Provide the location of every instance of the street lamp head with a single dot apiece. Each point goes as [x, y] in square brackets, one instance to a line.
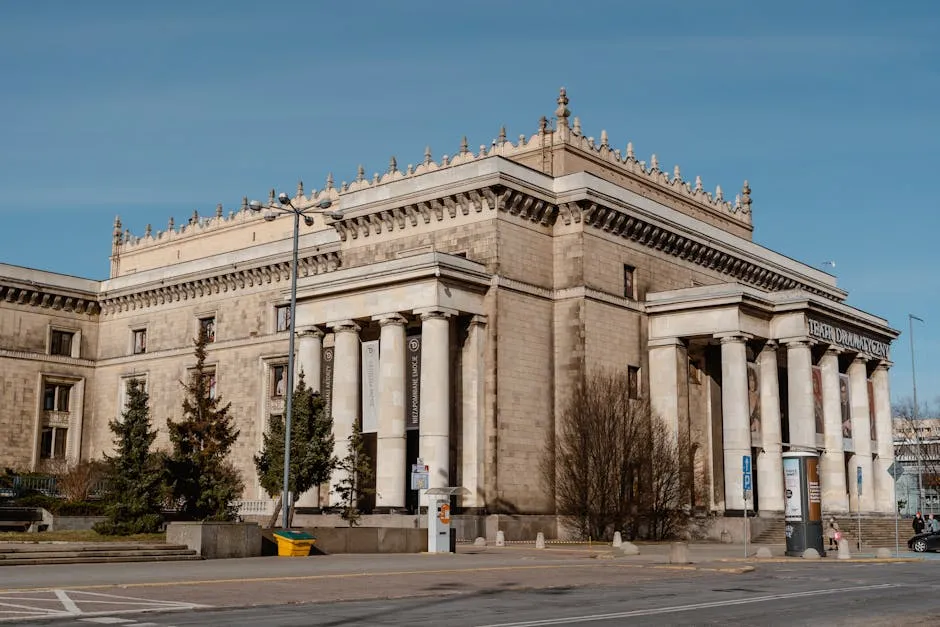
[326, 203]
[255, 206]
[269, 216]
[283, 198]
[308, 220]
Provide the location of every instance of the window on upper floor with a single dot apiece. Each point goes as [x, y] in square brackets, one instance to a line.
[60, 343]
[207, 327]
[633, 382]
[629, 289]
[140, 341]
[282, 316]
[56, 396]
[210, 379]
[278, 380]
[52, 444]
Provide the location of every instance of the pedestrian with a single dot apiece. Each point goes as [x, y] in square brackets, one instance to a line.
[933, 525]
[833, 533]
[918, 524]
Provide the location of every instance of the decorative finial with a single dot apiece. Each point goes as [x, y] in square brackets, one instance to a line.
[698, 184]
[427, 155]
[737, 202]
[482, 150]
[171, 224]
[300, 188]
[392, 165]
[360, 173]
[630, 153]
[271, 197]
[502, 136]
[148, 230]
[654, 163]
[676, 175]
[719, 196]
[244, 206]
[464, 147]
[746, 196]
[329, 181]
[218, 210]
[117, 230]
[562, 111]
[577, 126]
[195, 218]
[604, 142]
[543, 124]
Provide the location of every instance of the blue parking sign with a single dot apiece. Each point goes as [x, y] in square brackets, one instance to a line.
[747, 481]
[746, 464]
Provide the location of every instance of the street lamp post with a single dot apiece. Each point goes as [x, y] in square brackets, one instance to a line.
[920, 470]
[284, 205]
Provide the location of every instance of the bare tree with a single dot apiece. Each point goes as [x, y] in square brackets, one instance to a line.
[613, 465]
[917, 439]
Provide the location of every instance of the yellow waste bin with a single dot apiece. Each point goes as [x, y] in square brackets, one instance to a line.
[293, 543]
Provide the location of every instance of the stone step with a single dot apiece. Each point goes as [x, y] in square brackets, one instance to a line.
[83, 554]
[127, 557]
[48, 547]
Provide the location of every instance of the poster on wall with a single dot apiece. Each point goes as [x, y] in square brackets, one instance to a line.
[793, 493]
[326, 378]
[818, 401]
[871, 410]
[845, 403]
[753, 402]
[370, 386]
[814, 493]
[412, 381]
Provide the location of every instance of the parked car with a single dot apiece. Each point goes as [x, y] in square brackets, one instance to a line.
[927, 541]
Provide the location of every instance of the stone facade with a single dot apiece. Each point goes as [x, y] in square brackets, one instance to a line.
[521, 267]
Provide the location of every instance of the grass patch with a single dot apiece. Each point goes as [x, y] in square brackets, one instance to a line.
[77, 536]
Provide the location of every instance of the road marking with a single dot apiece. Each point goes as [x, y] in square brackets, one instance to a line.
[685, 608]
[107, 620]
[60, 603]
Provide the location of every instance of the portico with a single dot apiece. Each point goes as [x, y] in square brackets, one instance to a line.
[784, 371]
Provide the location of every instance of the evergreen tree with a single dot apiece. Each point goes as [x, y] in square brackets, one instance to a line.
[356, 473]
[202, 480]
[311, 448]
[135, 477]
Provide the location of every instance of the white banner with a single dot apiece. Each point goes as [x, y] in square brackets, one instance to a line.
[370, 386]
[793, 504]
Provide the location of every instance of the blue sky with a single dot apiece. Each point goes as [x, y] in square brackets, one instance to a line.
[149, 110]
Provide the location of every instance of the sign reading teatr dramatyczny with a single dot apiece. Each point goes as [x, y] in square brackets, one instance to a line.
[848, 339]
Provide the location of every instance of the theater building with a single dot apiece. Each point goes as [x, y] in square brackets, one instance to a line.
[450, 311]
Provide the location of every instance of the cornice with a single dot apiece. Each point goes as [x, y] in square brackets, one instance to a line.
[48, 297]
[49, 359]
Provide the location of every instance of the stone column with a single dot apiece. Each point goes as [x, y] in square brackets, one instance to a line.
[390, 440]
[736, 428]
[664, 380]
[472, 406]
[769, 461]
[309, 353]
[434, 433]
[861, 433]
[345, 392]
[835, 498]
[800, 395]
[885, 500]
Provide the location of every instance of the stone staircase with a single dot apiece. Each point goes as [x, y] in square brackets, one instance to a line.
[22, 554]
[877, 531]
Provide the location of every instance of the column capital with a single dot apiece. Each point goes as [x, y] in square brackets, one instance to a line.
[478, 320]
[310, 331]
[885, 365]
[733, 337]
[834, 350]
[770, 346]
[343, 326]
[665, 342]
[797, 341]
[387, 319]
[431, 313]
[860, 360]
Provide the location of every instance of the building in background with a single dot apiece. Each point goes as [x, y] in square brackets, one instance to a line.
[451, 310]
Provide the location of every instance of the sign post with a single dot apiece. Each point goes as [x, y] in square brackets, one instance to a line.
[858, 504]
[419, 481]
[896, 471]
[746, 471]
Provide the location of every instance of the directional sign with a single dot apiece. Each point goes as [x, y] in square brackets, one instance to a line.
[896, 470]
[746, 464]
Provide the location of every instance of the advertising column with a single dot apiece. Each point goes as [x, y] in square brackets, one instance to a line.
[802, 503]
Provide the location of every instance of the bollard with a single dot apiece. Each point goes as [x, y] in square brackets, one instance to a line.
[481, 541]
[725, 537]
[618, 540]
[627, 548]
[679, 553]
[844, 553]
[500, 538]
[540, 540]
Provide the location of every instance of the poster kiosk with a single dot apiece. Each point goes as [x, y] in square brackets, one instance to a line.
[802, 503]
[441, 535]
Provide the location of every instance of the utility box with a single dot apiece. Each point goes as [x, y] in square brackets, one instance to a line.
[802, 503]
[442, 538]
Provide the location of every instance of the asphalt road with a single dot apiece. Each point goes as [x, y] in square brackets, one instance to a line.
[531, 593]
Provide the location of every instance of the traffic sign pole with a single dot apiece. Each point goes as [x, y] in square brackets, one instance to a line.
[746, 476]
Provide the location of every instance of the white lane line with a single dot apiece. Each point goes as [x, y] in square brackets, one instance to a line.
[108, 620]
[67, 603]
[685, 608]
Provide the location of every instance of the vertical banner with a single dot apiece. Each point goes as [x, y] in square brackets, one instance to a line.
[871, 410]
[412, 381]
[845, 403]
[793, 504]
[818, 401]
[370, 386]
[326, 378]
[753, 400]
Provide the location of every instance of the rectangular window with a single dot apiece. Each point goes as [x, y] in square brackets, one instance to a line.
[628, 285]
[278, 380]
[61, 343]
[140, 341]
[210, 383]
[207, 327]
[56, 397]
[283, 317]
[52, 444]
[633, 382]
